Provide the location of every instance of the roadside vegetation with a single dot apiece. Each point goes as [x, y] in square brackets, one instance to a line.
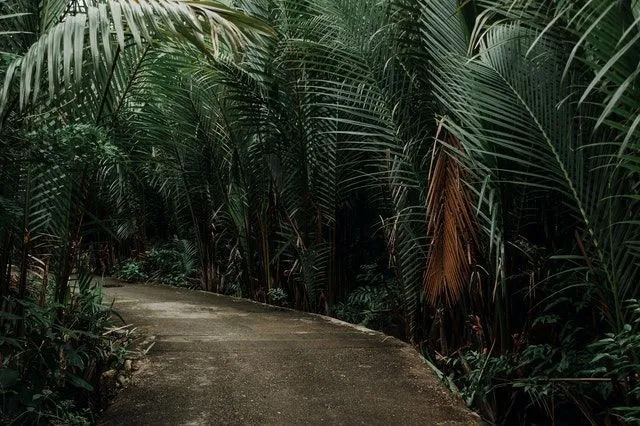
[461, 174]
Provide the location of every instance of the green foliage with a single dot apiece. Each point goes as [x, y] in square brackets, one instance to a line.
[278, 297]
[366, 306]
[358, 130]
[74, 145]
[51, 365]
[64, 173]
[617, 356]
[131, 271]
[554, 377]
[374, 305]
[98, 27]
[172, 264]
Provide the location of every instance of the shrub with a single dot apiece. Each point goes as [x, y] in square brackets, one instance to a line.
[173, 263]
[278, 297]
[596, 376]
[617, 357]
[52, 358]
[372, 305]
[131, 271]
[367, 306]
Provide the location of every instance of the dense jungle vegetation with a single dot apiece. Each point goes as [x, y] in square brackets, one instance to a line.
[460, 174]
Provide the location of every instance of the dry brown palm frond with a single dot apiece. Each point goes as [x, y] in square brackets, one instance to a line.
[450, 227]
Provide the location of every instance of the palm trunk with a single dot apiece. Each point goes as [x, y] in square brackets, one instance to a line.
[5, 265]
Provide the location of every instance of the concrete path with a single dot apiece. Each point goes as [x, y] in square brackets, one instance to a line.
[221, 360]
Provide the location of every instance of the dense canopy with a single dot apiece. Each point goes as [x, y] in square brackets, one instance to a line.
[460, 174]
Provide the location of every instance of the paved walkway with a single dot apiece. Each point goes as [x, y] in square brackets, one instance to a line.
[220, 360]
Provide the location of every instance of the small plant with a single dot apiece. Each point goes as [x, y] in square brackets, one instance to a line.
[373, 304]
[617, 356]
[52, 359]
[172, 264]
[132, 271]
[278, 297]
[367, 306]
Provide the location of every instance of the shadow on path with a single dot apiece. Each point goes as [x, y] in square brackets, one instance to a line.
[221, 360]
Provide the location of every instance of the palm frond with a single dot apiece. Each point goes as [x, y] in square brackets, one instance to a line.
[450, 228]
[203, 23]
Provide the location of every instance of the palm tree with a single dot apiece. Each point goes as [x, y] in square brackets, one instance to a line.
[56, 45]
[545, 152]
[483, 154]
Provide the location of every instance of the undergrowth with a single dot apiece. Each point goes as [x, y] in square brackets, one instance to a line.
[172, 263]
[52, 357]
[540, 381]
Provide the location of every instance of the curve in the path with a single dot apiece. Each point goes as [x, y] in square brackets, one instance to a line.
[221, 360]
